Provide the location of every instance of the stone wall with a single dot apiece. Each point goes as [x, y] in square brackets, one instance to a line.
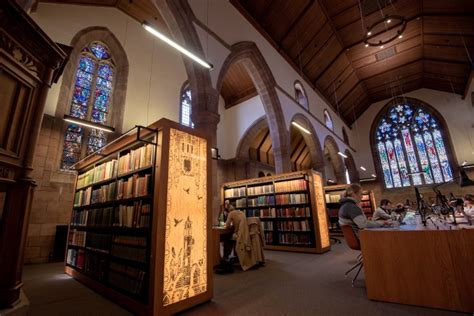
[53, 196]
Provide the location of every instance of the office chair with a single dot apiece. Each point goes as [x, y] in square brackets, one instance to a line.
[353, 243]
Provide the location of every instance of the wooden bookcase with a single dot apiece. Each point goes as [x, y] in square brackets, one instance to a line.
[291, 207]
[334, 193]
[140, 230]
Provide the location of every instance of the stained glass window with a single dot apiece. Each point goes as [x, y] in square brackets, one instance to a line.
[90, 101]
[186, 107]
[328, 120]
[411, 148]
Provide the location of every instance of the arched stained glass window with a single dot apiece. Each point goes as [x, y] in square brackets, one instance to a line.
[186, 106]
[90, 101]
[410, 146]
[328, 120]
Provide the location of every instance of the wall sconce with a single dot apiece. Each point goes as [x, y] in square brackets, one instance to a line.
[215, 153]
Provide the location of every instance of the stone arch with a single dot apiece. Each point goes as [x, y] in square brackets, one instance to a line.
[351, 167]
[180, 18]
[312, 141]
[331, 150]
[80, 40]
[252, 131]
[249, 55]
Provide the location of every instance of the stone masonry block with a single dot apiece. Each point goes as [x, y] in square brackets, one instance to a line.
[34, 230]
[48, 229]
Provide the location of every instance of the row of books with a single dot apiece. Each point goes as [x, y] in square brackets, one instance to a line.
[234, 192]
[75, 257]
[98, 241]
[262, 201]
[127, 278]
[99, 217]
[294, 212]
[293, 198]
[365, 204]
[104, 194]
[268, 237]
[239, 203]
[129, 253]
[263, 189]
[134, 186]
[96, 265]
[262, 213]
[136, 215]
[289, 186]
[333, 198]
[299, 226]
[77, 237]
[365, 197]
[267, 225]
[136, 159]
[101, 172]
[130, 241]
[294, 239]
[82, 197]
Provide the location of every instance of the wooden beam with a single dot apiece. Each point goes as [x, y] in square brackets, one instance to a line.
[298, 18]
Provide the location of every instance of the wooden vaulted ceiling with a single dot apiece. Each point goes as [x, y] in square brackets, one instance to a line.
[237, 86]
[323, 40]
[261, 150]
[140, 10]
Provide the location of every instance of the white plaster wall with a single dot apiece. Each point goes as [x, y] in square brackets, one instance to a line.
[156, 71]
[226, 21]
[234, 123]
[458, 114]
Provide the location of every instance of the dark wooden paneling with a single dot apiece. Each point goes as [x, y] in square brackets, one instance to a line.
[237, 86]
[324, 59]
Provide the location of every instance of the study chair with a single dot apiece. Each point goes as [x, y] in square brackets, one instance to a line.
[353, 242]
[333, 219]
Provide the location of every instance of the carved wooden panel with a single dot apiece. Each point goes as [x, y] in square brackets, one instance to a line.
[185, 273]
[15, 97]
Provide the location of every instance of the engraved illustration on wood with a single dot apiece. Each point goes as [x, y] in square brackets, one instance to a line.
[185, 236]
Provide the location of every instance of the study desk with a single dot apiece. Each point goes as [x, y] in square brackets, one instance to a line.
[424, 266]
[219, 234]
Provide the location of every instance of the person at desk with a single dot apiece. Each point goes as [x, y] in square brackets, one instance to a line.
[225, 212]
[469, 205]
[383, 212]
[351, 213]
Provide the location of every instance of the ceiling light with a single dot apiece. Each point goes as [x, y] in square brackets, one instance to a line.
[341, 154]
[301, 127]
[382, 46]
[400, 36]
[373, 175]
[464, 163]
[366, 45]
[362, 168]
[90, 124]
[389, 21]
[369, 33]
[176, 46]
[331, 181]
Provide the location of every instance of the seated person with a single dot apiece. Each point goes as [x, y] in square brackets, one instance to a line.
[469, 205]
[224, 213]
[351, 213]
[384, 211]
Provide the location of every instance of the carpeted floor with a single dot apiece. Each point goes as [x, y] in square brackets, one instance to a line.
[289, 284]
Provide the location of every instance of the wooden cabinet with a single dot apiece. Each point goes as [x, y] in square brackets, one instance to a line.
[140, 231]
[29, 63]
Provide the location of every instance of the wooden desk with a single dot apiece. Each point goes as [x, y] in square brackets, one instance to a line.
[219, 234]
[422, 266]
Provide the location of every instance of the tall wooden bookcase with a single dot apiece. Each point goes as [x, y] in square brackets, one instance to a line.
[291, 208]
[140, 229]
[334, 193]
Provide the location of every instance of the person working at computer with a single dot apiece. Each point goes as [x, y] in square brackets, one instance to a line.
[383, 212]
[351, 213]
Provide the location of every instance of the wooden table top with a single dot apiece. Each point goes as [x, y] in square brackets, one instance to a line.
[429, 226]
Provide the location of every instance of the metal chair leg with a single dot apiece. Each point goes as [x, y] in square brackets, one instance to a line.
[353, 267]
[357, 274]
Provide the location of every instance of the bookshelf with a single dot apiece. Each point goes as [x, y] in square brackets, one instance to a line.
[334, 193]
[291, 208]
[139, 231]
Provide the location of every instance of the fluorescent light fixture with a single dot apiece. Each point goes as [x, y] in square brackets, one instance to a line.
[369, 33]
[301, 127]
[382, 46]
[464, 163]
[176, 46]
[400, 36]
[331, 181]
[81, 122]
[362, 168]
[366, 45]
[389, 21]
[373, 175]
[341, 154]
